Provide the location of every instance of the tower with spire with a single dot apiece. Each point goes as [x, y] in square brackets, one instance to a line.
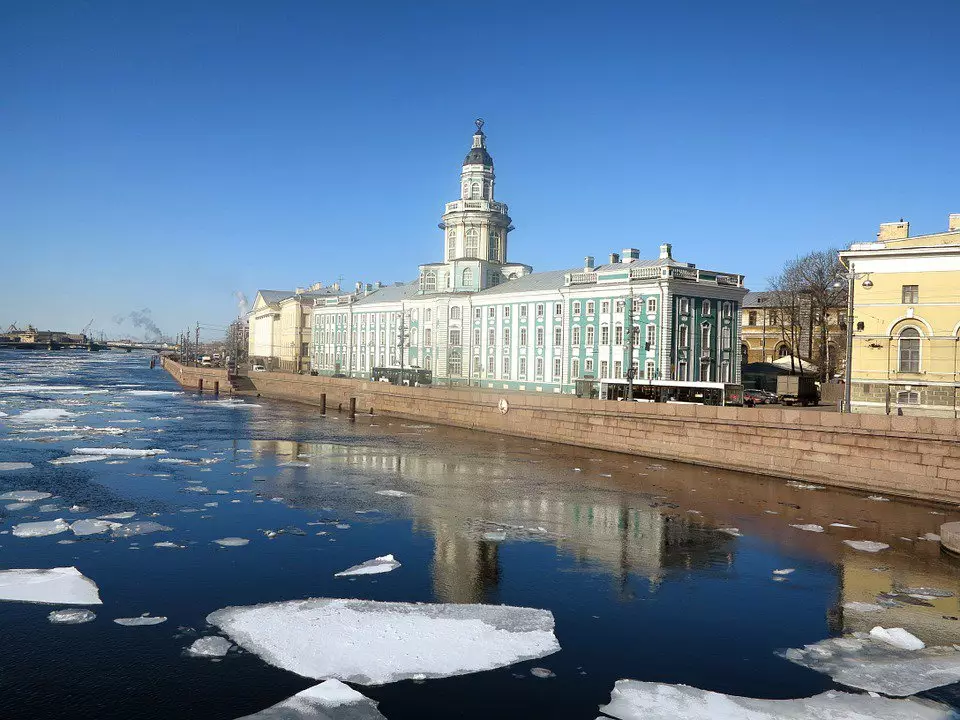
[475, 229]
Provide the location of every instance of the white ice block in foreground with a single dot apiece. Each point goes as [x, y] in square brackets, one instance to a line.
[42, 415]
[383, 564]
[635, 700]
[866, 545]
[74, 616]
[372, 643]
[871, 664]
[212, 646]
[898, 637]
[40, 529]
[57, 586]
[330, 700]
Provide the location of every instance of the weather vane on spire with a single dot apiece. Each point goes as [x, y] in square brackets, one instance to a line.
[479, 124]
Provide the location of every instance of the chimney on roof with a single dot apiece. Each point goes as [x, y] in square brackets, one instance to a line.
[614, 258]
[894, 230]
[379, 284]
[631, 254]
[666, 251]
[954, 222]
[359, 286]
[336, 287]
[299, 291]
[588, 263]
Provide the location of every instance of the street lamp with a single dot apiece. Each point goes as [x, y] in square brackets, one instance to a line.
[851, 276]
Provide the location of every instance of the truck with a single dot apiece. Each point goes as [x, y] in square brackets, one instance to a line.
[798, 389]
[206, 361]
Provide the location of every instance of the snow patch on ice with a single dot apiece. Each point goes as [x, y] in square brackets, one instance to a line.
[40, 529]
[126, 515]
[44, 415]
[142, 527]
[91, 527]
[393, 493]
[898, 637]
[119, 452]
[56, 586]
[75, 459]
[373, 643]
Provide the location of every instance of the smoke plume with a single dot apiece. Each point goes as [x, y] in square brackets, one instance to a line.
[141, 319]
[242, 305]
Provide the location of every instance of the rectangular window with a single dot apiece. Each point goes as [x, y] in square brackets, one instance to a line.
[575, 336]
[491, 312]
[591, 307]
[908, 397]
[476, 336]
[752, 317]
[523, 337]
[557, 337]
[588, 365]
[540, 310]
[490, 365]
[604, 334]
[591, 335]
[605, 307]
[491, 337]
[576, 307]
[575, 369]
[506, 312]
[684, 306]
[618, 306]
[652, 305]
[707, 308]
[651, 335]
[477, 313]
[556, 368]
[506, 336]
[617, 369]
[650, 370]
[455, 338]
[505, 373]
[539, 337]
[523, 368]
[557, 309]
[539, 368]
[681, 370]
[476, 365]
[618, 335]
[427, 314]
[604, 367]
[911, 294]
[523, 311]
[725, 338]
[704, 337]
[427, 337]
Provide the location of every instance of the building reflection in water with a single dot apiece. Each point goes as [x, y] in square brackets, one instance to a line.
[459, 501]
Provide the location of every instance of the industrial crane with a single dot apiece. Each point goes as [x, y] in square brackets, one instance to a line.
[87, 326]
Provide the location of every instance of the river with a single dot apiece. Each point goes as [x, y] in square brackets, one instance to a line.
[636, 558]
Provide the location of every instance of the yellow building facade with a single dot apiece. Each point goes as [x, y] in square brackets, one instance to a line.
[906, 331]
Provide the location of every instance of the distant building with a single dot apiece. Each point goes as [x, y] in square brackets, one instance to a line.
[476, 317]
[906, 336]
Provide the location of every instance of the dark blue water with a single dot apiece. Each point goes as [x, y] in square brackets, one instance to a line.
[625, 552]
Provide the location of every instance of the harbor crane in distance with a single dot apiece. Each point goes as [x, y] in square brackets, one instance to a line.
[87, 326]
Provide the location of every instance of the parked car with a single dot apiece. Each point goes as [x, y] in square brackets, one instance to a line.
[769, 397]
[258, 368]
[753, 397]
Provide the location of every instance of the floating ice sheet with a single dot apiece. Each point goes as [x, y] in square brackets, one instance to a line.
[25, 495]
[383, 564]
[126, 515]
[635, 700]
[91, 527]
[142, 527]
[141, 621]
[378, 642]
[211, 646]
[809, 527]
[73, 616]
[870, 664]
[119, 452]
[393, 493]
[232, 542]
[40, 529]
[866, 545]
[330, 700]
[10, 466]
[75, 459]
[57, 586]
[42, 415]
[898, 637]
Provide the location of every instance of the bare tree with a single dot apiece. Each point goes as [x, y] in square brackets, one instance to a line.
[786, 298]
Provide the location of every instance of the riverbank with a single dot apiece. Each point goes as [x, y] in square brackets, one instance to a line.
[912, 457]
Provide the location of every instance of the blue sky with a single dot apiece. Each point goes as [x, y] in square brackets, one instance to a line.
[164, 155]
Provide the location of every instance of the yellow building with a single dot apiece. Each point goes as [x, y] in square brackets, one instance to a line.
[281, 327]
[906, 333]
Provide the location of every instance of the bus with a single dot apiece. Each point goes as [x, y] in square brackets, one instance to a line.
[412, 376]
[666, 391]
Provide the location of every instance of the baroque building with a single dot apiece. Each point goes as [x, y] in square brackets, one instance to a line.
[478, 318]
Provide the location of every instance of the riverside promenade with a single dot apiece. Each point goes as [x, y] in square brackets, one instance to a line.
[913, 457]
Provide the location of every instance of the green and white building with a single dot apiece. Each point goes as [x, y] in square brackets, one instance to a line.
[478, 318]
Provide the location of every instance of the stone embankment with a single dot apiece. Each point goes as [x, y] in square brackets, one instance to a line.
[908, 456]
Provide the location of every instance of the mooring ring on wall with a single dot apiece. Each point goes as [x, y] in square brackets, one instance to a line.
[504, 406]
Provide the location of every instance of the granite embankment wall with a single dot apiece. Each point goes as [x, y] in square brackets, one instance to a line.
[908, 456]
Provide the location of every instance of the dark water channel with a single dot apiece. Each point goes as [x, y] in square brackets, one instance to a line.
[626, 552]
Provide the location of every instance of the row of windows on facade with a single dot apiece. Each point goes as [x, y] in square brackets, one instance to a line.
[471, 247]
[476, 191]
[909, 295]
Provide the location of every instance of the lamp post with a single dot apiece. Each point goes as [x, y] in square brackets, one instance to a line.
[851, 276]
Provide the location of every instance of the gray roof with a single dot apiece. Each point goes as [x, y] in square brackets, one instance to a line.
[548, 280]
[655, 262]
[391, 293]
[274, 296]
[754, 299]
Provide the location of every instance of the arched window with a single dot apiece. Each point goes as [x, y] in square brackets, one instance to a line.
[575, 336]
[744, 354]
[451, 244]
[471, 248]
[539, 337]
[455, 364]
[590, 334]
[466, 190]
[430, 281]
[468, 277]
[909, 350]
[783, 351]
[455, 313]
[486, 190]
[475, 191]
[684, 337]
[493, 252]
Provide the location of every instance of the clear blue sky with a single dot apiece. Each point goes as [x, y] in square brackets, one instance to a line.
[163, 155]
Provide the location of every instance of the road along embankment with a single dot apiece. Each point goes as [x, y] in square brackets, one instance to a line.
[908, 456]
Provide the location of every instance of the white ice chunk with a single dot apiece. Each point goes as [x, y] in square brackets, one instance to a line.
[784, 571]
[495, 536]
[871, 664]
[898, 637]
[119, 516]
[857, 606]
[8, 466]
[145, 619]
[211, 646]
[57, 586]
[803, 486]
[843, 525]
[168, 544]
[75, 459]
[330, 700]
[809, 527]
[25, 495]
[232, 542]
[295, 463]
[74, 616]
[379, 642]
[878, 498]
[731, 531]
[152, 393]
[42, 415]
[142, 527]
[635, 700]
[92, 527]
[393, 493]
[119, 452]
[18, 506]
[40, 529]
[378, 565]
[866, 545]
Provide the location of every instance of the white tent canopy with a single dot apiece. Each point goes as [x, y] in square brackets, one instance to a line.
[804, 366]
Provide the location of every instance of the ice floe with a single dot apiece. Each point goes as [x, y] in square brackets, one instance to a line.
[843, 525]
[856, 606]
[168, 544]
[40, 529]
[295, 463]
[232, 542]
[784, 571]
[898, 637]
[18, 506]
[10, 466]
[152, 393]
[210, 646]
[75, 459]
[91, 527]
[119, 452]
[393, 493]
[383, 564]
[73, 616]
[803, 486]
[878, 498]
[809, 527]
[866, 545]
[330, 700]
[372, 643]
[735, 532]
[635, 700]
[126, 515]
[56, 586]
[145, 619]
[42, 415]
[871, 664]
[141, 527]
[25, 495]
